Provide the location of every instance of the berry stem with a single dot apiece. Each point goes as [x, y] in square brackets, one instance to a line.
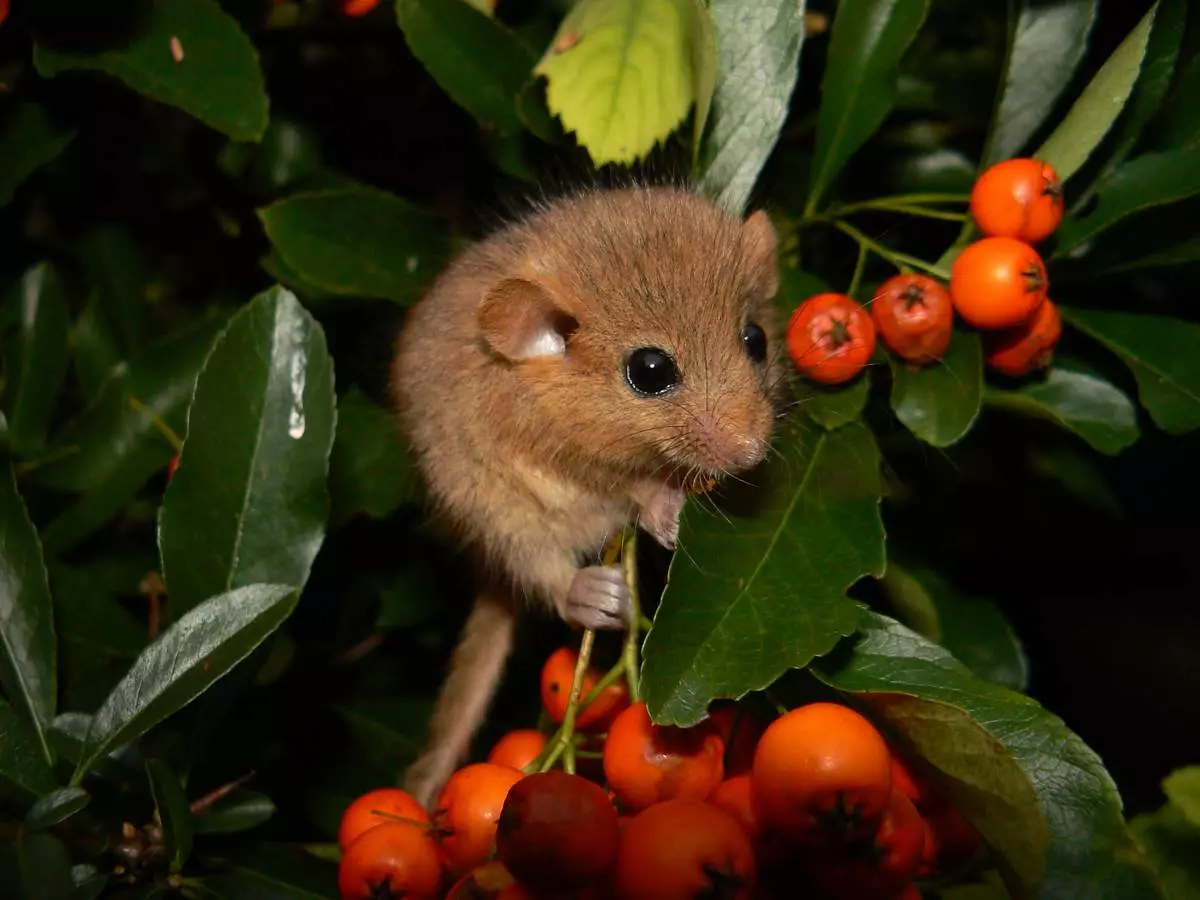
[162, 427]
[859, 266]
[901, 261]
[919, 211]
[629, 653]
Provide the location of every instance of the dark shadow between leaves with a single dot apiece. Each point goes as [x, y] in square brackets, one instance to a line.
[84, 26]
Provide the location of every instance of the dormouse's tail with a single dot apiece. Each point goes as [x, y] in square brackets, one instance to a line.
[475, 670]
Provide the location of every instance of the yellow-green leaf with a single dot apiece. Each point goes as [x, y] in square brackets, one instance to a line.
[622, 74]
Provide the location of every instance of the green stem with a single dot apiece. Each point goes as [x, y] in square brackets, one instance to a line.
[568, 725]
[156, 420]
[859, 266]
[901, 261]
[629, 653]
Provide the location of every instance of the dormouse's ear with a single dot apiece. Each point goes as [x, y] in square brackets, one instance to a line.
[761, 243]
[521, 320]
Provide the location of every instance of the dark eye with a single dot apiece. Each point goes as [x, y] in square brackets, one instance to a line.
[651, 371]
[755, 340]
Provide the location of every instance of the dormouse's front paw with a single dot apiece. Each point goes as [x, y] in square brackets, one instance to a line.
[599, 598]
[660, 515]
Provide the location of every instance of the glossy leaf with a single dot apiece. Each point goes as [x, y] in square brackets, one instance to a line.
[1092, 115]
[1047, 44]
[1170, 841]
[1161, 353]
[55, 807]
[972, 628]
[866, 43]
[940, 403]
[1027, 783]
[476, 60]
[370, 470]
[28, 647]
[620, 75]
[755, 591]
[215, 78]
[115, 446]
[1079, 401]
[758, 54]
[195, 651]
[29, 139]
[1179, 124]
[238, 811]
[1154, 80]
[173, 813]
[274, 872]
[247, 504]
[22, 759]
[832, 407]
[357, 241]
[1150, 180]
[37, 363]
[1182, 788]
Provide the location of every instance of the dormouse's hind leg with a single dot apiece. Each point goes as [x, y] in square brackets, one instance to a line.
[475, 670]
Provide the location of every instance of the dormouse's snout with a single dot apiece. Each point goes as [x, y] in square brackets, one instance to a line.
[732, 440]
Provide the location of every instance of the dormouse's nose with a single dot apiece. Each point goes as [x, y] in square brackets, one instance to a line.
[730, 443]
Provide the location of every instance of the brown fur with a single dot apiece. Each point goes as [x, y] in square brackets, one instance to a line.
[535, 462]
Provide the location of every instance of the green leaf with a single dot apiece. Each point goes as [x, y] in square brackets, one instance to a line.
[972, 628]
[97, 349]
[832, 407]
[117, 268]
[1047, 44]
[1173, 845]
[370, 470]
[37, 364]
[939, 403]
[115, 446]
[758, 55]
[45, 868]
[1025, 781]
[28, 647]
[755, 591]
[173, 813]
[1179, 124]
[55, 807]
[22, 758]
[1079, 401]
[358, 241]
[704, 71]
[29, 139]
[1182, 788]
[1092, 115]
[1077, 472]
[866, 43]
[1150, 180]
[179, 666]
[217, 80]
[1181, 254]
[390, 732]
[1161, 353]
[476, 60]
[88, 608]
[274, 872]
[238, 811]
[247, 503]
[621, 74]
[1162, 50]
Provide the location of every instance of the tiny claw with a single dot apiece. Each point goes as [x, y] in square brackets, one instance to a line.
[599, 599]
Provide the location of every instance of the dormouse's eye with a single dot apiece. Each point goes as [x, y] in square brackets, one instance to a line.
[755, 341]
[651, 371]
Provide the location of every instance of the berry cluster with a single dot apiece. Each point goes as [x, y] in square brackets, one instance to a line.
[814, 804]
[997, 284]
